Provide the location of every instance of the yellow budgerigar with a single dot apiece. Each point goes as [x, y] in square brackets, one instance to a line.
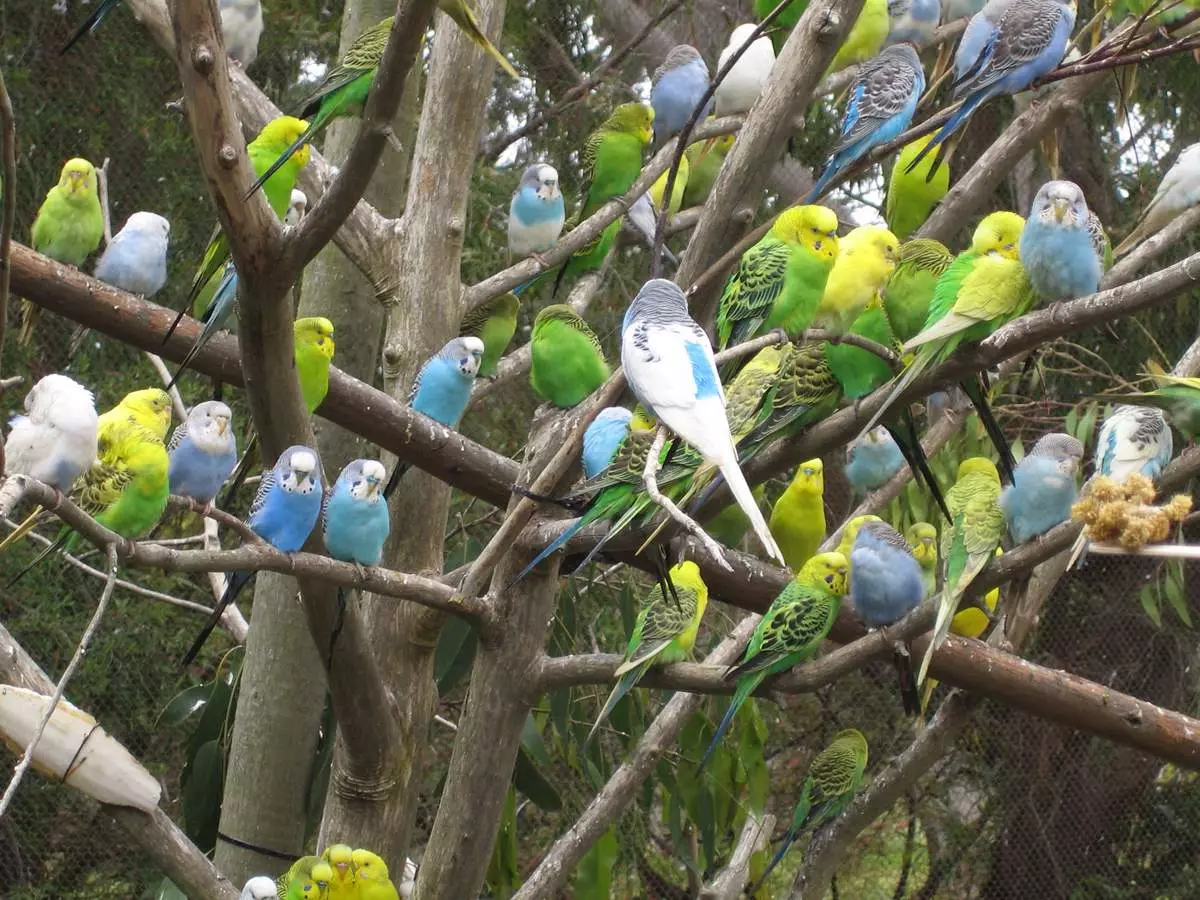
[150, 408]
[866, 258]
[798, 519]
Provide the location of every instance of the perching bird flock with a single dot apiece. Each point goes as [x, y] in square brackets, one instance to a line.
[848, 304]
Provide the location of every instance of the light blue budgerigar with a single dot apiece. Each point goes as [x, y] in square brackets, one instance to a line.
[355, 519]
[603, 438]
[668, 361]
[1057, 249]
[914, 21]
[872, 460]
[536, 213]
[886, 584]
[881, 103]
[202, 452]
[1133, 440]
[677, 88]
[1007, 46]
[442, 388]
[283, 514]
[136, 258]
[213, 318]
[1043, 487]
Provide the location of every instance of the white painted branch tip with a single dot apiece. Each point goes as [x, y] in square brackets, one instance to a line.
[1163, 551]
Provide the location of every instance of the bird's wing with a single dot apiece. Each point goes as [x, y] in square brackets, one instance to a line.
[757, 282]
[266, 487]
[177, 437]
[1025, 32]
[880, 92]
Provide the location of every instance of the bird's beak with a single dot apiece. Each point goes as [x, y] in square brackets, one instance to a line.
[1061, 208]
[222, 425]
[372, 490]
[545, 192]
[341, 867]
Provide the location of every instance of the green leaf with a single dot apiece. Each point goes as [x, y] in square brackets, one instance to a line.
[627, 603]
[201, 795]
[1071, 423]
[560, 712]
[529, 781]
[593, 876]
[1174, 592]
[322, 766]
[183, 704]
[531, 740]
[168, 891]
[217, 712]
[1087, 424]
[455, 653]
[1149, 598]
[503, 873]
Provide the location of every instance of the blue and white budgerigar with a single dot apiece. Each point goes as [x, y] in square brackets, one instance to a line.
[283, 514]
[882, 100]
[136, 259]
[1043, 487]
[536, 213]
[442, 388]
[668, 361]
[744, 82]
[677, 88]
[55, 441]
[355, 518]
[603, 438]
[914, 21]
[872, 460]
[1178, 192]
[1057, 250]
[1133, 440]
[202, 452]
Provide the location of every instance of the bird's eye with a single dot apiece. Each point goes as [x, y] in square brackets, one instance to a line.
[1008, 246]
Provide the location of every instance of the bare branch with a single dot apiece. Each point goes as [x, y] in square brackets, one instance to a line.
[729, 883]
[1154, 246]
[8, 209]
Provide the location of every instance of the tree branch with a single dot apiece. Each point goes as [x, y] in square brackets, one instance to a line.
[729, 883]
[8, 209]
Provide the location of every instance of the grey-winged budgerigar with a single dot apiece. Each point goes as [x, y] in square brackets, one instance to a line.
[202, 452]
[676, 89]
[1057, 247]
[744, 82]
[1178, 192]
[1043, 488]
[536, 213]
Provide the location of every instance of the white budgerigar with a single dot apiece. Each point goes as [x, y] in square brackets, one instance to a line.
[55, 441]
[136, 258]
[1178, 192]
[668, 361]
[241, 26]
[740, 88]
[297, 207]
[260, 887]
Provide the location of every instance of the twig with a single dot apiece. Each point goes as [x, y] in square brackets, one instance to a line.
[1165, 551]
[106, 213]
[8, 168]
[650, 479]
[173, 392]
[729, 883]
[80, 650]
[13, 380]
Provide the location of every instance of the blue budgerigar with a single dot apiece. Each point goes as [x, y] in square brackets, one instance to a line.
[1043, 487]
[886, 584]
[355, 518]
[668, 361]
[442, 388]
[214, 318]
[283, 514]
[536, 213]
[136, 259]
[914, 21]
[603, 438]
[1133, 440]
[678, 86]
[1007, 46]
[881, 103]
[1057, 249]
[872, 460]
[202, 452]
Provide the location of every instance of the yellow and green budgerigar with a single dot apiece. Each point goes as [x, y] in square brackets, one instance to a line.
[865, 39]
[149, 407]
[910, 289]
[665, 632]
[566, 360]
[790, 631]
[68, 228]
[866, 258]
[371, 873]
[704, 162]
[494, 323]
[798, 518]
[342, 885]
[779, 281]
[308, 878]
[678, 189]
[968, 542]
[314, 348]
[911, 196]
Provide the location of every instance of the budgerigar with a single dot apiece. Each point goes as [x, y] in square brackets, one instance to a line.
[308, 879]
[676, 89]
[68, 227]
[882, 100]
[668, 361]
[1175, 395]
[910, 289]
[1007, 46]
[284, 512]
[744, 82]
[442, 388]
[297, 208]
[664, 633]
[1043, 487]
[465, 18]
[866, 35]
[566, 360]
[1178, 192]
[790, 631]
[603, 438]
[371, 873]
[866, 259]
[340, 859]
[136, 260]
[355, 520]
[780, 280]
[1133, 440]
[314, 349]
[886, 584]
[833, 779]
[872, 460]
[1056, 244]
[202, 452]
[911, 196]
[149, 408]
[260, 887]
[494, 323]
[704, 164]
[969, 540]
[798, 517]
[241, 27]
[914, 21]
[850, 533]
[536, 213]
[643, 215]
[922, 541]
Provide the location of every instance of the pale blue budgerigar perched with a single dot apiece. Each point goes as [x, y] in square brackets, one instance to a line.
[1178, 191]
[1007, 46]
[536, 213]
[241, 26]
[881, 103]
[1133, 440]
[914, 21]
[677, 88]
[1043, 487]
[644, 217]
[214, 317]
[668, 361]
[886, 584]
[55, 441]
[603, 438]
[136, 258]
[283, 514]
[442, 388]
[872, 460]
[1057, 249]
[202, 452]
[355, 518]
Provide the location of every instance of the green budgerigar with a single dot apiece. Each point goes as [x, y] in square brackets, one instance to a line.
[494, 323]
[308, 878]
[664, 632]
[790, 631]
[910, 289]
[911, 196]
[969, 541]
[566, 360]
[864, 40]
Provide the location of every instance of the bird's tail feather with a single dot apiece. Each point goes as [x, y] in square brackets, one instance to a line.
[237, 581]
[902, 660]
[21, 530]
[624, 684]
[920, 362]
[551, 547]
[240, 474]
[575, 504]
[909, 442]
[98, 15]
[744, 689]
[977, 393]
[59, 544]
[745, 499]
[789, 838]
[394, 479]
[309, 134]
